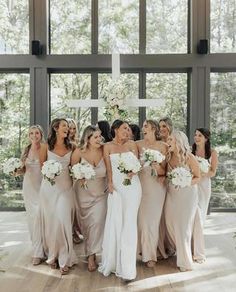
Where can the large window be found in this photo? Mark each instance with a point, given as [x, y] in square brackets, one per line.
[223, 26]
[118, 26]
[14, 27]
[167, 26]
[14, 124]
[70, 26]
[170, 91]
[65, 87]
[223, 128]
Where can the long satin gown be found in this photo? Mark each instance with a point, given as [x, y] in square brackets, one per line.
[57, 214]
[92, 209]
[153, 198]
[180, 211]
[31, 186]
[120, 235]
[204, 195]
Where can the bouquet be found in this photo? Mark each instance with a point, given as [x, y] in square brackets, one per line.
[180, 177]
[128, 163]
[83, 170]
[204, 164]
[149, 155]
[51, 169]
[11, 166]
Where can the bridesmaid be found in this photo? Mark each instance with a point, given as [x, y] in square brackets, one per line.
[153, 195]
[32, 158]
[74, 140]
[202, 148]
[57, 202]
[165, 126]
[93, 200]
[181, 204]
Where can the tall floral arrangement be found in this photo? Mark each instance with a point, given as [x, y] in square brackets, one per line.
[115, 98]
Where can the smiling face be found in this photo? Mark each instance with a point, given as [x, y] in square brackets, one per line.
[147, 130]
[171, 142]
[122, 132]
[199, 138]
[63, 129]
[164, 130]
[72, 130]
[35, 135]
[96, 139]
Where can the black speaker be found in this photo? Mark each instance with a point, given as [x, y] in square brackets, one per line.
[36, 48]
[202, 47]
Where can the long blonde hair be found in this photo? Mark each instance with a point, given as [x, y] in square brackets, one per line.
[87, 134]
[27, 148]
[182, 144]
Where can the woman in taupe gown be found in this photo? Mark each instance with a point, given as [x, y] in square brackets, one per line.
[32, 158]
[92, 200]
[153, 195]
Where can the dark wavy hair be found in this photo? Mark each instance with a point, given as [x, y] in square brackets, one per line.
[116, 125]
[207, 134]
[105, 130]
[135, 131]
[52, 136]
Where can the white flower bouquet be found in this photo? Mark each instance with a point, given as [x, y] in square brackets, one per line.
[180, 177]
[51, 169]
[83, 170]
[11, 166]
[149, 156]
[204, 164]
[128, 163]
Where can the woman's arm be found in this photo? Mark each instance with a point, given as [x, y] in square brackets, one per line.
[214, 164]
[195, 169]
[106, 156]
[75, 157]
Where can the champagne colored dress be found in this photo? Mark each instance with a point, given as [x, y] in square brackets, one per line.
[92, 209]
[31, 186]
[180, 211]
[119, 246]
[153, 198]
[56, 216]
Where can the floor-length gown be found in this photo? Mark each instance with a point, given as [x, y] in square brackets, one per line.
[31, 186]
[57, 214]
[153, 198]
[120, 234]
[204, 195]
[180, 211]
[92, 203]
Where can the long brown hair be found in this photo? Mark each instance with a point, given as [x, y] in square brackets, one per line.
[25, 153]
[207, 134]
[52, 136]
[87, 134]
[155, 126]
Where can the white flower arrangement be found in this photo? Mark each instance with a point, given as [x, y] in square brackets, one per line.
[128, 163]
[51, 169]
[204, 164]
[180, 177]
[115, 100]
[83, 170]
[149, 156]
[11, 166]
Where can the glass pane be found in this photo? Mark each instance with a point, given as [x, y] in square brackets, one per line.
[170, 90]
[125, 89]
[118, 26]
[223, 20]
[14, 124]
[65, 87]
[223, 130]
[167, 26]
[14, 27]
[70, 26]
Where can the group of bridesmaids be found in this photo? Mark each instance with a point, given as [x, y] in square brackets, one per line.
[156, 220]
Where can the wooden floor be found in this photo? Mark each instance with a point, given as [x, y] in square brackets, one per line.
[217, 274]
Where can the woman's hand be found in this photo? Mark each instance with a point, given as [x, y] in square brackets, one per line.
[110, 187]
[130, 175]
